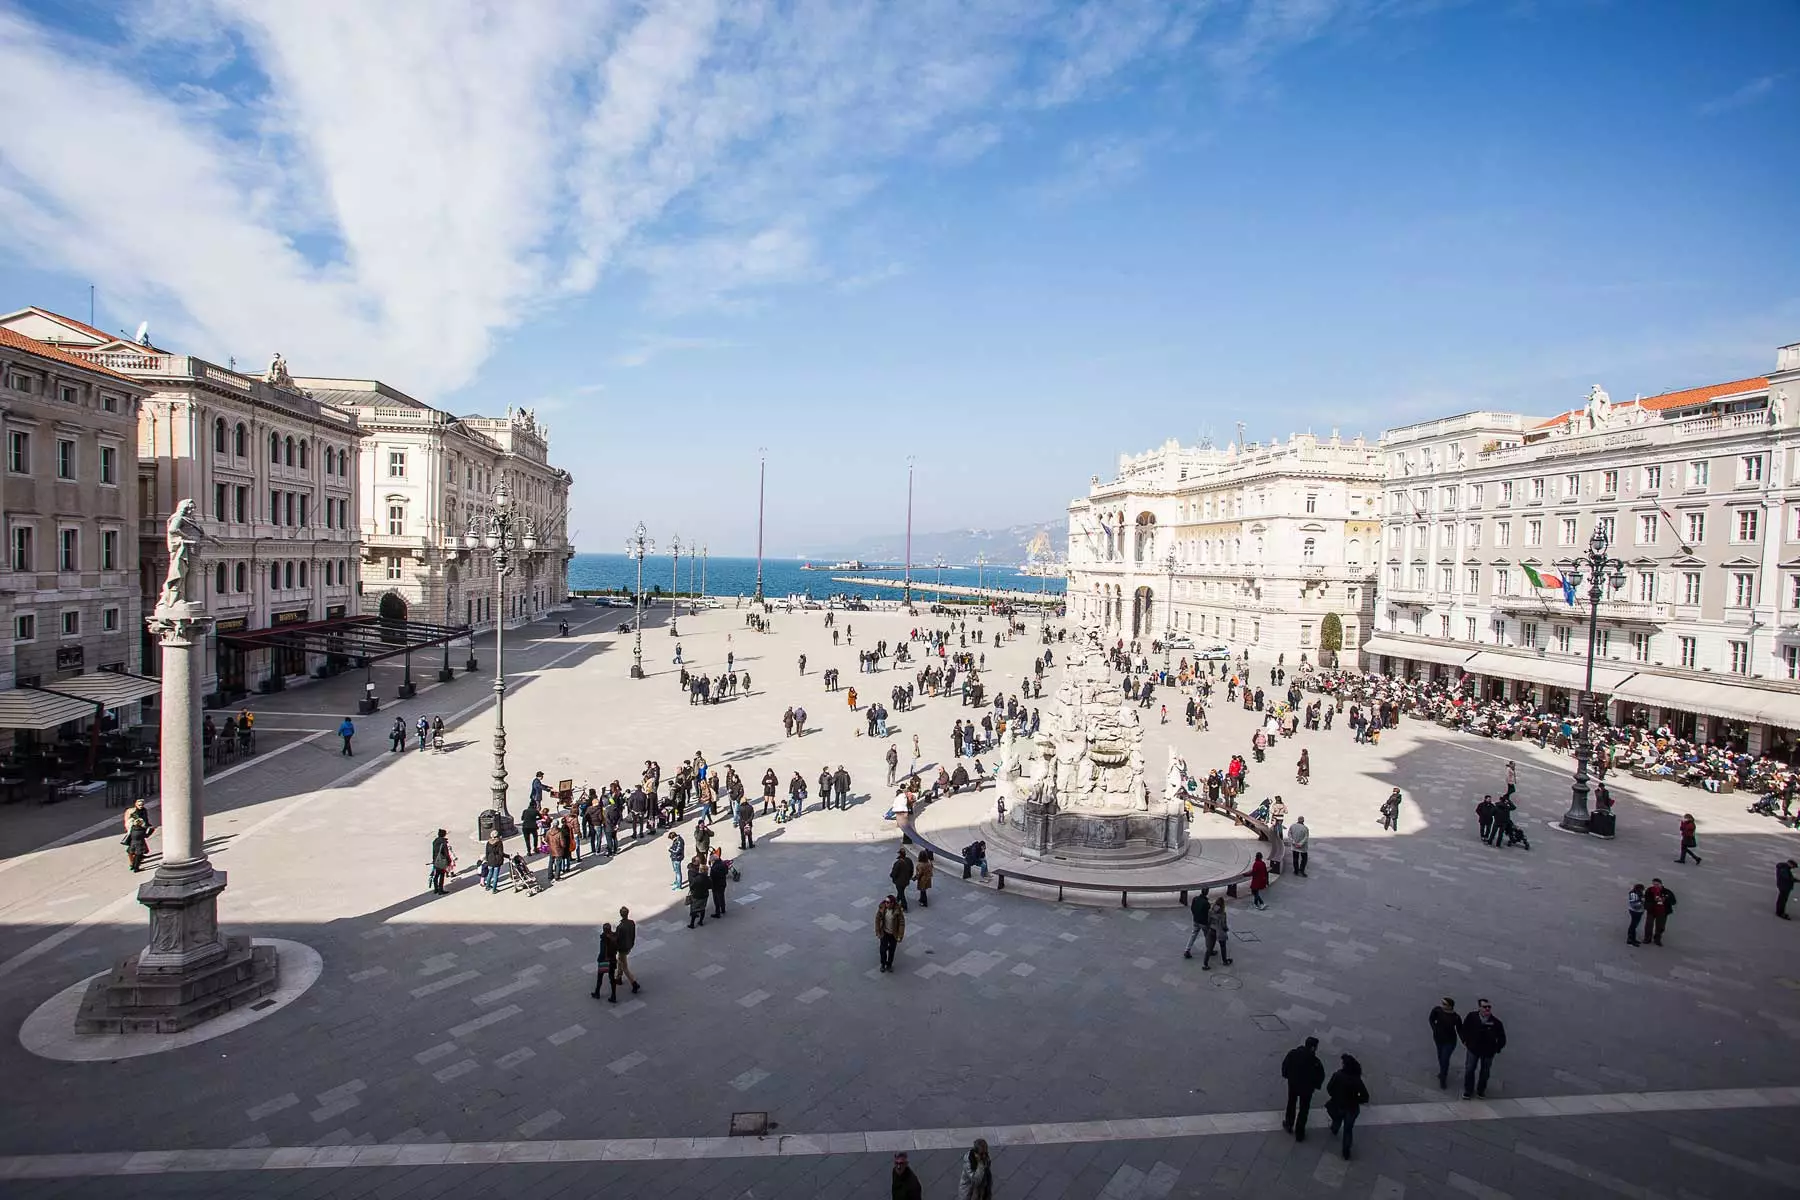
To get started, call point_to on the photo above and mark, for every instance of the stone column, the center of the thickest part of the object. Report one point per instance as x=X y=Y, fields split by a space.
x=188 y=973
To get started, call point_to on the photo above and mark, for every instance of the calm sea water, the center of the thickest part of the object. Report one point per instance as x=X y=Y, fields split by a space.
x=781 y=577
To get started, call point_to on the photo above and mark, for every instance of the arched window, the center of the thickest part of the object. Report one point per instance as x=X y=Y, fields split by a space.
x=240 y=440
x=288 y=575
x=303 y=454
x=1309 y=549
x=219 y=436
x=290 y=452
x=275 y=576
x=275 y=448
x=219 y=579
x=302 y=574
x=243 y=578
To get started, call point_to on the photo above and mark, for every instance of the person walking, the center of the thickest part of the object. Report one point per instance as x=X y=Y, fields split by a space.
x=1445 y=1033
x=746 y=825
x=1484 y=816
x=1634 y=913
x=699 y=886
x=1483 y=1036
x=890 y=928
x=557 y=846
x=397 y=736
x=678 y=859
x=1659 y=902
x=718 y=875
x=922 y=876
x=893 y=762
x=840 y=786
x=906 y=1184
x=626 y=937
x=1200 y=907
x=1784 y=886
x=493 y=860
x=1344 y=1097
x=137 y=836
x=901 y=873
x=606 y=964
x=440 y=861
x=1217 y=930
x=1299 y=838
x=528 y=825
x=347 y=730
x=1390 y=811
x=1303 y=770
x=1305 y=1074
x=1688 y=839
x=977 y=1179
x=1259 y=880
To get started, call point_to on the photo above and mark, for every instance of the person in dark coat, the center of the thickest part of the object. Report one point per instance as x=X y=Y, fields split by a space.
x=906 y=1184
x=718 y=874
x=606 y=965
x=1445 y=1033
x=901 y=873
x=493 y=861
x=1784 y=886
x=1484 y=813
x=1345 y=1096
x=1483 y=1036
x=440 y=861
x=1305 y=1074
x=699 y=886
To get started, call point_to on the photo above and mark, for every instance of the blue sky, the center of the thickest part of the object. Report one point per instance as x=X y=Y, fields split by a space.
x=1012 y=239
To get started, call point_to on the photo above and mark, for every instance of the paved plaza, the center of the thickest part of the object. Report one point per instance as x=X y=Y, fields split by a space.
x=451 y=1045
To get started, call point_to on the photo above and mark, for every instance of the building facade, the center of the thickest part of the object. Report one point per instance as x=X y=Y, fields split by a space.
x=1255 y=547
x=272 y=472
x=426 y=475
x=1695 y=492
x=69 y=582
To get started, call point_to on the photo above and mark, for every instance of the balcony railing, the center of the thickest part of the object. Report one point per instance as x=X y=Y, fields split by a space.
x=1550 y=604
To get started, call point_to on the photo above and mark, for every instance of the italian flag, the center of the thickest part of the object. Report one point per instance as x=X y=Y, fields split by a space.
x=1541 y=581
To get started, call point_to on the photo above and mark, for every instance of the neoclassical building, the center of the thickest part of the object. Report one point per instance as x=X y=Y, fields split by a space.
x=272 y=472
x=426 y=475
x=1252 y=546
x=1697 y=493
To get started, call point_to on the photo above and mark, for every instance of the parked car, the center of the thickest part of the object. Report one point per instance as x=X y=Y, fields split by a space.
x=1212 y=653
x=1177 y=640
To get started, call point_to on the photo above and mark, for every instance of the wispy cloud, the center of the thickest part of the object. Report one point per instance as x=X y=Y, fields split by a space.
x=862 y=281
x=651 y=347
x=389 y=187
x=1092 y=166
x=1751 y=92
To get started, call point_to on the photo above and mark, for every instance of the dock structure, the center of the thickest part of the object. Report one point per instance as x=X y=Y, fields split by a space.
x=961 y=591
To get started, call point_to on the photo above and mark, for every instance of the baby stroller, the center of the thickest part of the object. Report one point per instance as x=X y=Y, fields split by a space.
x=1515 y=836
x=524 y=879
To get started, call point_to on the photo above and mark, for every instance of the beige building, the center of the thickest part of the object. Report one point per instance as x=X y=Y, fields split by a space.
x=272 y=472
x=1696 y=492
x=1253 y=547
x=426 y=475
x=69 y=583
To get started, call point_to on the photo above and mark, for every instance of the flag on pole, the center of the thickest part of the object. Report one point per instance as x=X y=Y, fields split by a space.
x=1541 y=579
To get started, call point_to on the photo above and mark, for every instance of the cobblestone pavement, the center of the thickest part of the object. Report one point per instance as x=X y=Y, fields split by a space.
x=447 y=1032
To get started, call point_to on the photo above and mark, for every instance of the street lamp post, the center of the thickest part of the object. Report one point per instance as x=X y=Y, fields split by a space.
x=980 y=562
x=509 y=534
x=703 y=572
x=674 y=581
x=637 y=546
x=1169 y=565
x=906 y=585
x=1599 y=572
x=762 y=475
x=937 y=565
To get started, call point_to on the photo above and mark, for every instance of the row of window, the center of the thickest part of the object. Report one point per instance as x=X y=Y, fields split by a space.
x=232 y=503
x=235 y=441
x=32 y=383
x=68 y=467
x=1745 y=528
x=283 y=576
x=68 y=549
x=25 y=626
x=1696 y=476
x=1646 y=587
x=1642 y=645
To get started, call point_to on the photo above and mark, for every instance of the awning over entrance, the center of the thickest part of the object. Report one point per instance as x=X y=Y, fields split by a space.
x=33 y=708
x=1447 y=653
x=1556 y=672
x=1737 y=702
x=368 y=637
x=110 y=689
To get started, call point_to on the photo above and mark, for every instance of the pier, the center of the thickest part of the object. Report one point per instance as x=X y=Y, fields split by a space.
x=960 y=591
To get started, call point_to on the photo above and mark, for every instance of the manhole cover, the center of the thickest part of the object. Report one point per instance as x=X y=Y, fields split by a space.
x=749 y=1124
x=1269 y=1022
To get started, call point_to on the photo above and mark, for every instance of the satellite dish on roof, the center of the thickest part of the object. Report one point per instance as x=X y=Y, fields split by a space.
x=143 y=334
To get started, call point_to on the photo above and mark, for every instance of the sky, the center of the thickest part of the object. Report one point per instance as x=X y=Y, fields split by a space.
x=1008 y=240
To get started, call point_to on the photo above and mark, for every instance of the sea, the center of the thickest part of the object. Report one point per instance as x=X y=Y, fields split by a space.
x=783 y=577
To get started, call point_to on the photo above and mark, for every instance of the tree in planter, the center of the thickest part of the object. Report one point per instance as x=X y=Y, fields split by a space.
x=1331 y=639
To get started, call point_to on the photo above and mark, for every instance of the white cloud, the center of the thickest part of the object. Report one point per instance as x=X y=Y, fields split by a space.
x=1749 y=93
x=1093 y=166
x=651 y=347
x=387 y=188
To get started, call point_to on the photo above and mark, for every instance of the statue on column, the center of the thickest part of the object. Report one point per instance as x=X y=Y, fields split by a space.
x=184 y=536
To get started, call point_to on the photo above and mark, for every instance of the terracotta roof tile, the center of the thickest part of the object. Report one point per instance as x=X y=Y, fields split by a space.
x=19 y=341
x=1701 y=395
x=83 y=326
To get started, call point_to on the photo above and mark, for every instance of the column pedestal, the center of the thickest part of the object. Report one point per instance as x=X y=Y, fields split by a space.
x=188 y=973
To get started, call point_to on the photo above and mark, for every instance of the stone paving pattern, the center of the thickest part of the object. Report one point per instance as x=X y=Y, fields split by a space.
x=466 y=1018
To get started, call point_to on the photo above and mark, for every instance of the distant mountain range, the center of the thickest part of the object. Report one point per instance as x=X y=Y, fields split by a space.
x=958 y=547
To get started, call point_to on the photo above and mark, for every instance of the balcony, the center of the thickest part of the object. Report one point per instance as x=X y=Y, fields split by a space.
x=1548 y=603
x=1414 y=597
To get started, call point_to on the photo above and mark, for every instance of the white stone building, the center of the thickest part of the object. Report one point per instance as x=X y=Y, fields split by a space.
x=1253 y=547
x=272 y=472
x=425 y=476
x=1697 y=493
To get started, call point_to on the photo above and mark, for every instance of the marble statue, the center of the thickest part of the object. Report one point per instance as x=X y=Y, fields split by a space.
x=1089 y=753
x=184 y=536
x=1599 y=407
x=1777 y=408
x=277 y=373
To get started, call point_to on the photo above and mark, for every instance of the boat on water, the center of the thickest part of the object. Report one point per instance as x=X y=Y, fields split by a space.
x=854 y=564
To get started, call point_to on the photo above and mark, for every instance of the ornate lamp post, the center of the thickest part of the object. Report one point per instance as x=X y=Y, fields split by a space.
x=637 y=546
x=937 y=565
x=703 y=572
x=509 y=534
x=1169 y=565
x=762 y=475
x=1599 y=572
x=674 y=581
x=980 y=562
x=906 y=585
